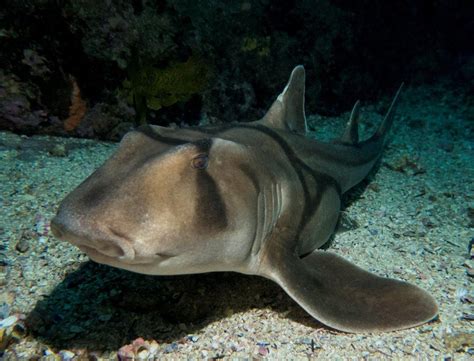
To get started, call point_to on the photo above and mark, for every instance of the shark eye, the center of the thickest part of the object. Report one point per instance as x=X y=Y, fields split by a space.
x=200 y=161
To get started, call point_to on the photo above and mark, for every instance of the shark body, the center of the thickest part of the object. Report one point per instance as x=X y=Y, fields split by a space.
x=257 y=198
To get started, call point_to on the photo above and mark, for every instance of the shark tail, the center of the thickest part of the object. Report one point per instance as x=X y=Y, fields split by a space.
x=351 y=133
x=388 y=120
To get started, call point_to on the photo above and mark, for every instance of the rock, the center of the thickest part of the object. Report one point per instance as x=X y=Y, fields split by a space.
x=58 y=150
x=23 y=245
x=4 y=310
x=170 y=348
x=66 y=355
x=143 y=354
x=126 y=353
x=153 y=347
x=469 y=263
x=4 y=339
x=7 y=322
x=193 y=338
x=467 y=317
x=458 y=341
x=263 y=351
x=346 y=223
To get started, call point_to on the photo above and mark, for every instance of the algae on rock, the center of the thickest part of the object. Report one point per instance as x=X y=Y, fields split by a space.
x=149 y=87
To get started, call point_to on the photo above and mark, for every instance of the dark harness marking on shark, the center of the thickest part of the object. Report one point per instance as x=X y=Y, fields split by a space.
x=322 y=180
x=149 y=132
x=250 y=175
x=210 y=211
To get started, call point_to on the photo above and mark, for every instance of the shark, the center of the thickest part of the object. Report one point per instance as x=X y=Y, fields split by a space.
x=259 y=198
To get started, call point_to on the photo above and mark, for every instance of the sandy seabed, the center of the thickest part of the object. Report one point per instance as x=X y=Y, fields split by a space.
x=412 y=219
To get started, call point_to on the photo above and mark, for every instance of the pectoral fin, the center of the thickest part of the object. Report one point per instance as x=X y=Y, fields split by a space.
x=348 y=298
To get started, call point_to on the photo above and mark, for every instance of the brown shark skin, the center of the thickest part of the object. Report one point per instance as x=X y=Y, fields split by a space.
x=257 y=198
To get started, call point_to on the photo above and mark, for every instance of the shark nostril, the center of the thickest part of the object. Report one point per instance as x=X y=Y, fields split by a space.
x=112 y=250
x=122 y=245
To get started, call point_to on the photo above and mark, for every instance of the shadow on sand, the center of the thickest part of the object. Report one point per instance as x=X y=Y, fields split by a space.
x=100 y=308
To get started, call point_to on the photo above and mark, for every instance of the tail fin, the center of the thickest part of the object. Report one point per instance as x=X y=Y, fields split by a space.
x=388 y=120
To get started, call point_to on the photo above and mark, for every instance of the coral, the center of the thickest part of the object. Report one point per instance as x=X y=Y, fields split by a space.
x=117 y=31
x=349 y=48
x=105 y=28
x=77 y=109
x=109 y=120
x=15 y=104
x=37 y=63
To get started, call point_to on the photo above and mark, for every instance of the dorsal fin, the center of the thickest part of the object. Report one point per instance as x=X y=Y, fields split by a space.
x=351 y=134
x=287 y=111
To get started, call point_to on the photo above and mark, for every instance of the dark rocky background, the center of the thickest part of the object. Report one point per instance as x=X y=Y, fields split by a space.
x=97 y=68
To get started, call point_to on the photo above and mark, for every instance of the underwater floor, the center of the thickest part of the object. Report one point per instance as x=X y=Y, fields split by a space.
x=412 y=219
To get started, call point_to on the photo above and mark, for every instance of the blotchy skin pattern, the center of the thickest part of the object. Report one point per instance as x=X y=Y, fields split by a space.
x=257 y=198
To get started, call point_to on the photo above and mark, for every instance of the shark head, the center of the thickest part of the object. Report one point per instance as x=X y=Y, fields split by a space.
x=165 y=203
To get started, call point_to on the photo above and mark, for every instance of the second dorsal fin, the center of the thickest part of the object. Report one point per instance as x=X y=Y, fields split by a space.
x=287 y=111
x=351 y=134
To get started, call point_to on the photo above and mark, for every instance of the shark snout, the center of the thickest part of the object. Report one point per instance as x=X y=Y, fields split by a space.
x=92 y=238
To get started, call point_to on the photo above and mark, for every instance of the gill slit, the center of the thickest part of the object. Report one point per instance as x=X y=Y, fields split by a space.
x=269 y=206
